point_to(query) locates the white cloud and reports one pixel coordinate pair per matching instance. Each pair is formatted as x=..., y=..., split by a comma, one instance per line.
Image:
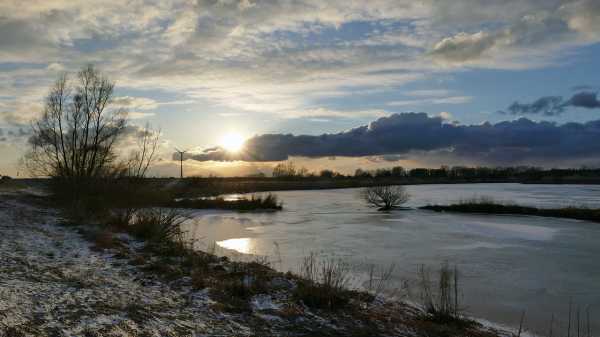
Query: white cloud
x=141, y=103
x=428, y=93
x=432, y=100
x=139, y=115
x=445, y=115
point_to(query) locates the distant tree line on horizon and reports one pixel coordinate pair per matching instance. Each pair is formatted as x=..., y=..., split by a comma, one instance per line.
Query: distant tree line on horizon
x=288, y=170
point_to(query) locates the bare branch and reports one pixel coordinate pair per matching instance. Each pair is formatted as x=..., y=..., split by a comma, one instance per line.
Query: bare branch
x=74, y=138
x=385, y=197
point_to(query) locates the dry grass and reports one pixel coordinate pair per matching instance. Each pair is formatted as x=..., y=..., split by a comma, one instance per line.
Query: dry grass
x=441, y=305
x=487, y=205
x=252, y=203
x=379, y=280
x=324, y=282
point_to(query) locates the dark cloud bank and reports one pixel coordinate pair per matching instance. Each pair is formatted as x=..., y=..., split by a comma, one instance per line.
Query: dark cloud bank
x=502, y=143
x=555, y=105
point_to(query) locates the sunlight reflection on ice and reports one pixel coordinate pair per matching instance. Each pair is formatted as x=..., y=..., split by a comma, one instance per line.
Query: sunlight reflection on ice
x=240, y=245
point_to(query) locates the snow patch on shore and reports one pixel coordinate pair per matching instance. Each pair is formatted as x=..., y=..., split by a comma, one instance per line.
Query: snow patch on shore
x=52, y=283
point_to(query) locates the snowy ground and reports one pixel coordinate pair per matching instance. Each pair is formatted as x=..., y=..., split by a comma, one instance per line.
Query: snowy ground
x=53, y=284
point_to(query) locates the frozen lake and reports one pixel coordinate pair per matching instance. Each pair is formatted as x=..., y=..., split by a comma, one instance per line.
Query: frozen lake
x=507, y=264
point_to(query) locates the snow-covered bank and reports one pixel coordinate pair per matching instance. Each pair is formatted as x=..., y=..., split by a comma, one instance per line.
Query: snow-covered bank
x=53, y=284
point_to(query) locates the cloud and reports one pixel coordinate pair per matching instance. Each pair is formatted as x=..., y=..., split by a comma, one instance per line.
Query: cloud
x=463, y=47
x=14, y=135
x=406, y=133
x=582, y=87
x=584, y=99
x=555, y=105
x=434, y=96
x=540, y=29
x=139, y=115
x=141, y=103
x=445, y=115
x=549, y=106
x=444, y=100
x=281, y=58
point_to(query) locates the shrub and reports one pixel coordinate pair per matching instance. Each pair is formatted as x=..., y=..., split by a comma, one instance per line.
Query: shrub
x=385, y=197
x=443, y=306
x=120, y=218
x=486, y=205
x=379, y=280
x=159, y=227
x=96, y=198
x=324, y=283
x=268, y=202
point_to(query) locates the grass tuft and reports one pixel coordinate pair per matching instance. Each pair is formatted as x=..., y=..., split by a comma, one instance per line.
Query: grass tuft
x=441, y=305
x=324, y=283
x=159, y=227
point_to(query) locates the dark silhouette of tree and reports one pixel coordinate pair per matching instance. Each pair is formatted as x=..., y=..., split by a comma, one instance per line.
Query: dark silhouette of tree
x=327, y=174
x=385, y=197
x=76, y=134
x=144, y=156
x=284, y=170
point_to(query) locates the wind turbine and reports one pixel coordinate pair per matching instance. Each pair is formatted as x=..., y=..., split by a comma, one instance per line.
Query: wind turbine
x=181, y=153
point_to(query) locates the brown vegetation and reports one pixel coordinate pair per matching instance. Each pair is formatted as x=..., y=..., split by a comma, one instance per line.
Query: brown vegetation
x=489, y=206
x=254, y=202
x=324, y=283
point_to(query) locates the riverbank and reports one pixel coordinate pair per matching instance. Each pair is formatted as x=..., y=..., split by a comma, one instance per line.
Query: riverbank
x=492, y=207
x=194, y=187
x=65, y=280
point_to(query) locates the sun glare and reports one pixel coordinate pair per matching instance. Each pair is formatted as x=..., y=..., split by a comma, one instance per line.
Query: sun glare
x=232, y=142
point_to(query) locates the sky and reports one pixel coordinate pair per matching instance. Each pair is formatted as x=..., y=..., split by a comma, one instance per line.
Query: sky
x=326, y=84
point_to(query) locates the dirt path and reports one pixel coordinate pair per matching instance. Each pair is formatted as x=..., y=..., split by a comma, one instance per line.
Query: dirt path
x=53, y=284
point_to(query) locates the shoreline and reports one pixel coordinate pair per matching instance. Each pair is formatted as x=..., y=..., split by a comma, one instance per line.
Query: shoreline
x=194, y=186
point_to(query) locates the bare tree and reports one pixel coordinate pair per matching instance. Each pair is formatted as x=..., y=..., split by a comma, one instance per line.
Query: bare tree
x=385, y=197
x=75, y=136
x=142, y=158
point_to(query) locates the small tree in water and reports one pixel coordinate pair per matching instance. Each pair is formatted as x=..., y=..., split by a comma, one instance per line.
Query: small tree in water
x=385, y=197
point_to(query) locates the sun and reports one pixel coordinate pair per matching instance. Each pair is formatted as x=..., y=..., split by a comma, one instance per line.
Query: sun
x=232, y=142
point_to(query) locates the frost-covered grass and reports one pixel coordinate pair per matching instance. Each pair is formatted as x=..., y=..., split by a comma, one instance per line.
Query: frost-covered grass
x=53, y=284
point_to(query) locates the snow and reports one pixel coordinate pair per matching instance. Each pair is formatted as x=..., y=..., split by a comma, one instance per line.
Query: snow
x=51, y=281
x=264, y=302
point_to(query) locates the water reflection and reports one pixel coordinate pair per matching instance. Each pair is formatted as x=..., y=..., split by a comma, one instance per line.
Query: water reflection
x=240, y=245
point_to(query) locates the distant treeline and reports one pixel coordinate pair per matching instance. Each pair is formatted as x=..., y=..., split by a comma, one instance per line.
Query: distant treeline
x=287, y=177
x=461, y=173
